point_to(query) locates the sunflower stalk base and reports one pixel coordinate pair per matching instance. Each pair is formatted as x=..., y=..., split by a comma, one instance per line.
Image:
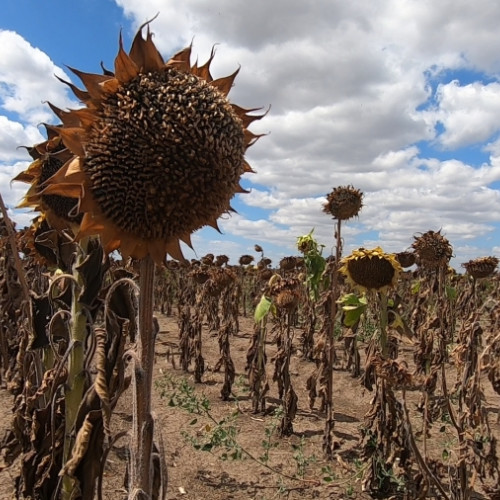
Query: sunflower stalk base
x=76, y=373
x=141, y=471
x=328, y=443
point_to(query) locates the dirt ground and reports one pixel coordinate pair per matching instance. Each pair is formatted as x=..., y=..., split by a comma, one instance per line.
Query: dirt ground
x=299, y=469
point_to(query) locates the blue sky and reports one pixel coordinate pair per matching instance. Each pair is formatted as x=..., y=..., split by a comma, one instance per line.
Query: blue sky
x=399, y=98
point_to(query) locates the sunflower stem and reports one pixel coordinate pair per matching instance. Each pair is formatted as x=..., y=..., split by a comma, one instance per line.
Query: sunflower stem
x=384, y=347
x=328, y=444
x=141, y=479
x=75, y=384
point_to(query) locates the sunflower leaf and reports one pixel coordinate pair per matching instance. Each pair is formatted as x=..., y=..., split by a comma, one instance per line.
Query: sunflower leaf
x=262, y=309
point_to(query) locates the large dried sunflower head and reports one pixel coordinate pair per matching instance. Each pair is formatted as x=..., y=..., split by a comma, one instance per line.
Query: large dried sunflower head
x=371, y=269
x=156, y=153
x=481, y=267
x=433, y=249
x=343, y=202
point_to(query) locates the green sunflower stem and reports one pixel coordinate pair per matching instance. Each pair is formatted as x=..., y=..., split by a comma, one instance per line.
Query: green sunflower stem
x=141, y=480
x=75, y=385
x=384, y=345
x=328, y=444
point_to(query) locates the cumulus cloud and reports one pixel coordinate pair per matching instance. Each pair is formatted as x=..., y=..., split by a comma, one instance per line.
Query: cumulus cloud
x=469, y=113
x=357, y=91
x=27, y=80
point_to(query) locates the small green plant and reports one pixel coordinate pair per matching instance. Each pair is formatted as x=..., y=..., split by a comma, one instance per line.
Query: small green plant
x=270, y=432
x=328, y=475
x=216, y=434
x=302, y=460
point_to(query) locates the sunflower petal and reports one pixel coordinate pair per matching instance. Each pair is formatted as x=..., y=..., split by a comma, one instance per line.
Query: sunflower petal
x=72, y=137
x=125, y=67
x=225, y=84
x=144, y=53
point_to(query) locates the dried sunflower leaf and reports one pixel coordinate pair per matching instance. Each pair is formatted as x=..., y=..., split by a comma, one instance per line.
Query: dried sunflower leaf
x=79, y=449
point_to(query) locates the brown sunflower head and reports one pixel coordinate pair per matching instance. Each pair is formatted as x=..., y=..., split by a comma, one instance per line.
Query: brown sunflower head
x=481, y=267
x=219, y=279
x=59, y=212
x=433, y=249
x=245, y=260
x=286, y=293
x=371, y=269
x=406, y=259
x=221, y=260
x=156, y=153
x=288, y=263
x=208, y=259
x=343, y=203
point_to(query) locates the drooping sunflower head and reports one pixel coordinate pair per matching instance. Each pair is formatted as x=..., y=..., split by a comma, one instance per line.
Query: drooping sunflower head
x=220, y=278
x=433, y=249
x=481, y=267
x=343, y=203
x=286, y=293
x=371, y=269
x=406, y=259
x=288, y=263
x=59, y=212
x=157, y=151
x=221, y=260
x=244, y=260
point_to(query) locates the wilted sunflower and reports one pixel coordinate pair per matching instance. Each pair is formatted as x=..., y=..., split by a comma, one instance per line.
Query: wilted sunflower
x=48, y=157
x=343, y=202
x=245, y=260
x=371, y=269
x=156, y=153
x=433, y=249
x=286, y=292
x=481, y=267
x=406, y=259
x=288, y=263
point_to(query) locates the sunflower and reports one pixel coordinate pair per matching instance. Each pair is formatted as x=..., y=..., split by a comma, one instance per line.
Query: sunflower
x=343, y=202
x=48, y=157
x=371, y=269
x=156, y=153
x=433, y=249
x=286, y=292
x=245, y=260
x=406, y=258
x=481, y=267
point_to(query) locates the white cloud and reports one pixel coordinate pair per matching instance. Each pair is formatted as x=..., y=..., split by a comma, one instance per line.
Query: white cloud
x=348, y=84
x=14, y=134
x=27, y=80
x=469, y=113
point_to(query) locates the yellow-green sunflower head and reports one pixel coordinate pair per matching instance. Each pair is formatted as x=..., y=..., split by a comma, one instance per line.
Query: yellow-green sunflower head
x=158, y=151
x=371, y=269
